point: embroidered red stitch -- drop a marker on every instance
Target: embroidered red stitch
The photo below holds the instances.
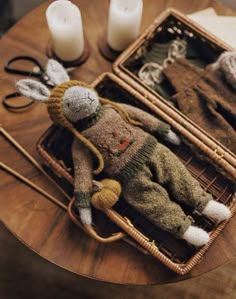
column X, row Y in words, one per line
column 125, row 143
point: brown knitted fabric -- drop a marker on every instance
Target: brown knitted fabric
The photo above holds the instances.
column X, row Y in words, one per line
column 206, row 98
column 149, row 122
column 162, row 180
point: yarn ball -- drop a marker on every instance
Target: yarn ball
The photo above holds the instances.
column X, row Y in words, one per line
column 108, row 196
column 227, row 63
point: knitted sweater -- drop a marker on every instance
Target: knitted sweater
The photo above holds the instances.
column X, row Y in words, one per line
column 124, row 147
column 206, row 98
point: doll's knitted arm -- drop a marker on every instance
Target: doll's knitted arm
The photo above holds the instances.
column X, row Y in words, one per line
column 152, row 123
column 83, row 175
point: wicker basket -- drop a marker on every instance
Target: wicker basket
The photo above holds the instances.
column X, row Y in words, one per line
column 55, row 148
column 167, row 27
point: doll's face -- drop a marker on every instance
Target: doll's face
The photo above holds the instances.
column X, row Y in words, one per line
column 79, row 102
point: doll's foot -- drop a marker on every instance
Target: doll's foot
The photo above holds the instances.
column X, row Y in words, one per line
column 216, row 211
column 196, row 236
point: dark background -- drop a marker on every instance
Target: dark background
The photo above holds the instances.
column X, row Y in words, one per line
column 12, row 10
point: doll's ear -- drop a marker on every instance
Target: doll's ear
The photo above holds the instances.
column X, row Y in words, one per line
column 33, row 90
column 56, row 72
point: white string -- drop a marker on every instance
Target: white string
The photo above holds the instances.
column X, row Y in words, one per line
column 151, row 73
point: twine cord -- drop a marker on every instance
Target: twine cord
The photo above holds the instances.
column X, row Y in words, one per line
column 151, row 73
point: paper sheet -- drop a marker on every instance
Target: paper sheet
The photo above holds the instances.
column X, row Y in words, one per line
column 223, row 27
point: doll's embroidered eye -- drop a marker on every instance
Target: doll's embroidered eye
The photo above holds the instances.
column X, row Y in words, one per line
column 68, row 104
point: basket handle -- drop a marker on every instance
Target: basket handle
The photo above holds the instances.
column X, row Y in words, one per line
column 88, row 228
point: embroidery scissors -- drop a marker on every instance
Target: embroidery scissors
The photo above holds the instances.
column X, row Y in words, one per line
column 36, row 71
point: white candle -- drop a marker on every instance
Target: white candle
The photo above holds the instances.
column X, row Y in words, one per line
column 123, row 23
column 65, row 25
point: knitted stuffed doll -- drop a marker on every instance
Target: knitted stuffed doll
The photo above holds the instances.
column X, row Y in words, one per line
column 121, row 138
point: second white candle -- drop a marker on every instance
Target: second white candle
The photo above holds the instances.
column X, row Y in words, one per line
column 123, row 23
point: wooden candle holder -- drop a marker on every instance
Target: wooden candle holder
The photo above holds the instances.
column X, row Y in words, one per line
column 106, row 51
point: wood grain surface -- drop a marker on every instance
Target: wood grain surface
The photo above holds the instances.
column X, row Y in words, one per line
column 26, row 275
column 38, row 223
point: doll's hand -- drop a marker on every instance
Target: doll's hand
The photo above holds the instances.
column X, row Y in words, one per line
column 173, row 138
column 85, row 215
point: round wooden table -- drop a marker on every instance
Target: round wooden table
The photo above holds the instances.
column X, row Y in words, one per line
column 38, row 223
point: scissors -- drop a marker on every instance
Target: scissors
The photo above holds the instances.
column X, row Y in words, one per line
column 36, row 71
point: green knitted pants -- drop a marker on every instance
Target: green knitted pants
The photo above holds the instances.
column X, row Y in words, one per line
column 163, row 180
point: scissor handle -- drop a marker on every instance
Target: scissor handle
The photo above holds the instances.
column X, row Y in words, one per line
column 34, row 72
column 6, row 99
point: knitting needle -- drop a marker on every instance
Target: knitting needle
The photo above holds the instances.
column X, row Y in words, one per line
column 32, row 185
column 31, row 159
